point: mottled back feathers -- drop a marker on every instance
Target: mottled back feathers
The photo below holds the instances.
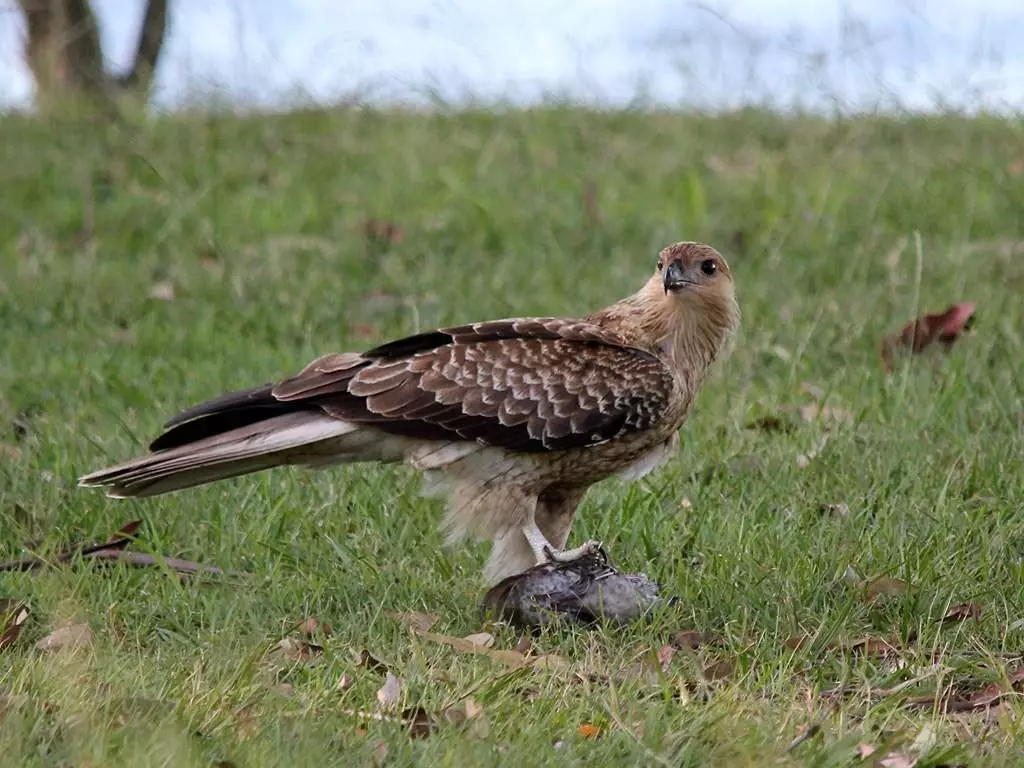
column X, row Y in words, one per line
column 529, row 385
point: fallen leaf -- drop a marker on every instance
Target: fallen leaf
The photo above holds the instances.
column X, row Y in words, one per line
column 68, row 636
column 511, row 658
column 589, row 731
column 866, row 750
column 870, row 647
column 524, row 645
column 962, row 612
column 884, row 588
column 311, row 625
column 379, row 749
column 693, row 639
column 473, row 707
column 795, row 642
column 719, row 670
column 295, row 649
column 366, row 660
column 390, row 694
column 467, row 709
column 899, row 760
column 418, row 620
column 344, row 682
column 285, row 689
column 419, row 722
column 483, row 639
column 944, row 327
column 835, row 510
column 162, row 291
column 664, row 655
column 13, row 615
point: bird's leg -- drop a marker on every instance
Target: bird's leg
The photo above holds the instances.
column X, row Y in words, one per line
column 543, row 552
column 585, row 549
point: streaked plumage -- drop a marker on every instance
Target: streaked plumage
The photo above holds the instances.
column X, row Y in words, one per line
column 513, row 418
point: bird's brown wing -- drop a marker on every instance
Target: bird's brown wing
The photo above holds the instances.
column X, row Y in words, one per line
column 527, row 385
column 535, row 384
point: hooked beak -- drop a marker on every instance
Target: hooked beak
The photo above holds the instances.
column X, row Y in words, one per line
column 673, row 278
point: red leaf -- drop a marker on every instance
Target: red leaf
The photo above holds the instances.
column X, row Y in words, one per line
column 945, row 327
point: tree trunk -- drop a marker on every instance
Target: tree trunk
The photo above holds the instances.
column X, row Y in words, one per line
column 64, row 54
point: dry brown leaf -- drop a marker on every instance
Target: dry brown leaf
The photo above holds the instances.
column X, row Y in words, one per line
column 511, row 658
column 962, row 612
column 13, row 615
column 795, row 642
column 379, row 748
column 344, row 682
column 311, row 625
column 719, row 670
column 944, row 327
column 483, row 639
column 464, row 710
column 589, row 731
column 866, row 750
column 884, row 588
column 419, row 722
column 898, row 760
column 367, row 660
column 869, row 647
column 524, row 645
column 665, row 655
column 835, row 510
column 418, row 620
column 473, row 707
column 68, row 636
column 390, row 694
column 295, row 649
column 162, row 291
column 693, row 639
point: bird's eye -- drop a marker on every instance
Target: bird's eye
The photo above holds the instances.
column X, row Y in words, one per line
column 708, row 266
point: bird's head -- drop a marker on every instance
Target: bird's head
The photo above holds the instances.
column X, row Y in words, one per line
column 693, row 298
column 694, row 273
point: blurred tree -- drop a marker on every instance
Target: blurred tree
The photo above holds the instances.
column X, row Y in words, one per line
column 64, row 53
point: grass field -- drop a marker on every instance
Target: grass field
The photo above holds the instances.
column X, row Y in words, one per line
column 145, row 268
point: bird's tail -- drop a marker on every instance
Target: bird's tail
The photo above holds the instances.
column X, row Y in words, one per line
column 299, row 437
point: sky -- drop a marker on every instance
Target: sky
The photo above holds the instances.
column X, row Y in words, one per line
column 859, row 54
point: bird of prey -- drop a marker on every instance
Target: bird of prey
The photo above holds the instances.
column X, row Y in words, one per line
column 513, row 419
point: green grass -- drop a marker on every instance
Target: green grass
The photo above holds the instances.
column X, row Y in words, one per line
column 255, row 222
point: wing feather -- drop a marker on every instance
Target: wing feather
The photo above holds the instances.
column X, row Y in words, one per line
column 531, row 384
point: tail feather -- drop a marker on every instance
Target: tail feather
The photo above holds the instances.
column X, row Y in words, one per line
column 292, row 438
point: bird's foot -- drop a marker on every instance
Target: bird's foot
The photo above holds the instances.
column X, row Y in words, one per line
column 586, row 549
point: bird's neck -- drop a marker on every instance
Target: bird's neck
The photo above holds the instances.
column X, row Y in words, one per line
column 688, row 336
